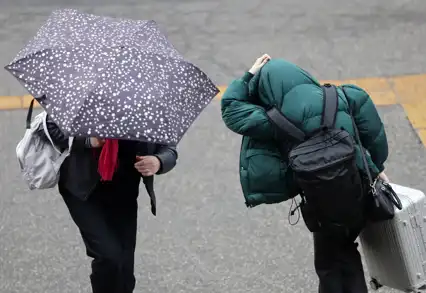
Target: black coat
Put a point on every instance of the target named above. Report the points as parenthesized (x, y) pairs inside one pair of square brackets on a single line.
[(79, 173)]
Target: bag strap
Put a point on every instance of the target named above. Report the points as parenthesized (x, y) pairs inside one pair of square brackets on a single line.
[(358, 140), (46, 132), (330, 103), (285, 126), (70, 142), (29, 115)]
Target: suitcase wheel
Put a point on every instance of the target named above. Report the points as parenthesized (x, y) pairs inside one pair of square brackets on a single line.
[(375, 285)]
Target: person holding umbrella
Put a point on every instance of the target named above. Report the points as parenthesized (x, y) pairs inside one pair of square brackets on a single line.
[(127, 97), (99, 183)]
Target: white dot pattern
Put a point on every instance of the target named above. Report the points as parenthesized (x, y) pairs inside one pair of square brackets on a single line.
[(112, 78)]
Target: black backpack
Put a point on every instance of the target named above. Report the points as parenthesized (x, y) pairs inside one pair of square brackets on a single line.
[(324, 166)]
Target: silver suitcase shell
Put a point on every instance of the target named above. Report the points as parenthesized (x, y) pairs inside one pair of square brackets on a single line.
[(395, 250)]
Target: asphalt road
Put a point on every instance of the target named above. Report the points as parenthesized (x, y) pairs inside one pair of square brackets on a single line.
[(204, 239), (330, 39)]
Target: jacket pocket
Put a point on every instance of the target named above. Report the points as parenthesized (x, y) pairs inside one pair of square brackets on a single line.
[(266, 171)]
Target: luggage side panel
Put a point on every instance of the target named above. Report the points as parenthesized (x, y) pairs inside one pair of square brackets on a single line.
[(395, 250)]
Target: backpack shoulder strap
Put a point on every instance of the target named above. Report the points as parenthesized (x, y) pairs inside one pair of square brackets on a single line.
[(285, 126), (330, 104)]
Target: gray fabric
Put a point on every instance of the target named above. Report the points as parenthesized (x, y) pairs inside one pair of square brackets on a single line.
[(39, 159)]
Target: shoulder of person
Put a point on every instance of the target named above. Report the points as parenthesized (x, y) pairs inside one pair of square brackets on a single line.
[(355, 93), (353, 90)]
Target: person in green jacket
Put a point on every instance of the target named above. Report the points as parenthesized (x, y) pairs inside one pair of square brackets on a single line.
[(264, 175)]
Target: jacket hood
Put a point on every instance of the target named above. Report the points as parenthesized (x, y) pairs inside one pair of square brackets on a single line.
[(276, 79)]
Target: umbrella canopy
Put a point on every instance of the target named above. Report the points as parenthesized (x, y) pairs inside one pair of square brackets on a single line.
[(112, 78)]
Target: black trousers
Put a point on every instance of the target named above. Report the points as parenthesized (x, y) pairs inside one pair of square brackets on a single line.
[(338, 263), (108, 223)]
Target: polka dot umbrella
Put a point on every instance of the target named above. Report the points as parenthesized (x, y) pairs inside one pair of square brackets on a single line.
[(112, 78)]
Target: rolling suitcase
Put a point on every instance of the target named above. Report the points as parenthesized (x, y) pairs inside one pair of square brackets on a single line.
[(395, 250)]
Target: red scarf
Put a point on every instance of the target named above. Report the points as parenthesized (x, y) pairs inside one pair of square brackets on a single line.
[(108, 160)]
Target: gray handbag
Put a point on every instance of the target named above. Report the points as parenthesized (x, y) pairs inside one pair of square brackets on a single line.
[(39, 159)]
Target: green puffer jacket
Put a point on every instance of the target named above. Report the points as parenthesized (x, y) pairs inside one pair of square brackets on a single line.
[(264, 174)]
